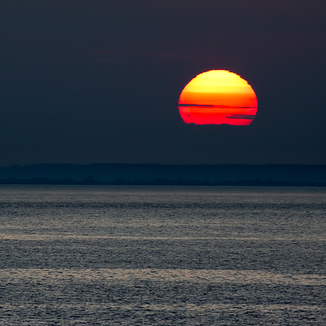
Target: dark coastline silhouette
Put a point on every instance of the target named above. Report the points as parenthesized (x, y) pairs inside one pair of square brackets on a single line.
[(156, 174)]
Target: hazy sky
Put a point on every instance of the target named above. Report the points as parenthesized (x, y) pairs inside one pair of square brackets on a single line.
[(90, 81)]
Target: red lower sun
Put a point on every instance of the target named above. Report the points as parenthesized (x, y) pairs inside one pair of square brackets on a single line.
[(218, 97)]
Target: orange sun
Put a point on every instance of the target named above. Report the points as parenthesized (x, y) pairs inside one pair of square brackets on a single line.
[(218, 97)]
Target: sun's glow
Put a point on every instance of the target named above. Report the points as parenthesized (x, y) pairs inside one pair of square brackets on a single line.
[(218, 97)]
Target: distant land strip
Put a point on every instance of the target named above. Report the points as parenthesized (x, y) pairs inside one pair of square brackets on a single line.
[(170, 175), (160, 182)]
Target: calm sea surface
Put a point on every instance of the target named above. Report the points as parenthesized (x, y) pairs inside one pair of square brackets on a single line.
[(162, 255)]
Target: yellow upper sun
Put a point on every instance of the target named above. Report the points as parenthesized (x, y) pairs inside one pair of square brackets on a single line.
[(221, 81)]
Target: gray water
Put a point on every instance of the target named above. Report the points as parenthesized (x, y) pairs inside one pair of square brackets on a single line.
[(162, 256)]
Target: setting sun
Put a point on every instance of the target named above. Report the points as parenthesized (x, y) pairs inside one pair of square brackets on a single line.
[(218, 97)]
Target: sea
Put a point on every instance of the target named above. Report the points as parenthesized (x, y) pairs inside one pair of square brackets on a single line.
[(161, 255)]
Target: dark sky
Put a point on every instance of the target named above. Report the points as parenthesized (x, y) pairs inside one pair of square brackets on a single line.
[(99, 81)]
